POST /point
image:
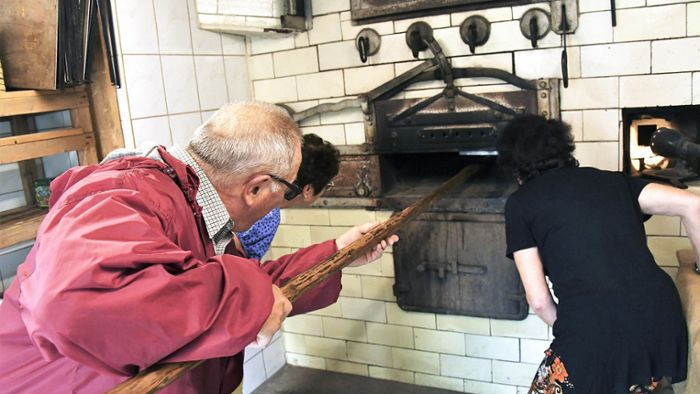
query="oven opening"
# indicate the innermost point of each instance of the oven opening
(407, 177)
(639, 156)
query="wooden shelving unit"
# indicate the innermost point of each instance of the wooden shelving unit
(24, 146)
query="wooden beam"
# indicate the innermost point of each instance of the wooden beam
(103, 101)
(21, 227)
(298, 285)
(80, 117)
(27, 168)
(41, 93)
(31, 146)
(159, 376)
(21, 104)
(39, 136)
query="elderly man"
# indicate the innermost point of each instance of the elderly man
(129, 266)
(320, 162)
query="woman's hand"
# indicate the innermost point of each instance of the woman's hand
(356, 233)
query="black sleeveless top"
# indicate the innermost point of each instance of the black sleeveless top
(619, 317)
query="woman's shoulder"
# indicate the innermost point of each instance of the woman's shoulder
(561, 179)
(567, 174)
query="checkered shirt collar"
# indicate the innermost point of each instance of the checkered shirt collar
(214, 212)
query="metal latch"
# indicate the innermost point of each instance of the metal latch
(452, 267)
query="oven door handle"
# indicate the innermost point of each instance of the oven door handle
(452, 267)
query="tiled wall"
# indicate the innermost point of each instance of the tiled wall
(174, 75)
(651, 58)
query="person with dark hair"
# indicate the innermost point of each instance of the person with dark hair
(618, 324)
(320, 161)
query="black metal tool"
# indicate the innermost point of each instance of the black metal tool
(475, 31)
(104, 9)
(417, 37)
(613, 12)
(674, 144)
(363, 48)
(367, 43)
(533, 32)
(564, 27)
(534, 25)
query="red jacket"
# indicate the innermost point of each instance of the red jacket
(123, 275)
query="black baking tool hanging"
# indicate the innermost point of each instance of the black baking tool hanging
(613, 12)
(564, 27)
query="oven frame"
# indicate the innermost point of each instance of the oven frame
(370, 11)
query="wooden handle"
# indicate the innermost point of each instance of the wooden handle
(304, 281)
(155, 377)
(158, 376)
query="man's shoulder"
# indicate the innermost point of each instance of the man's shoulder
(120, 177)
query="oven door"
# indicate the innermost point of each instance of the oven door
(455, 263)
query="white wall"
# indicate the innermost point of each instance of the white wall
(174, 75)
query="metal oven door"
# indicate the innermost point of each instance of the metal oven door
(455, 263)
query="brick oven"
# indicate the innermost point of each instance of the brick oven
(451, 259)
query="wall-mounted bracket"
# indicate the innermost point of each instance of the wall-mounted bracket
(367, 43)
(571, 17)
(534, 24)
(298, 16)
(475, 31)
(417, 37)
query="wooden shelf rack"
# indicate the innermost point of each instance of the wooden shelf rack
(21, 224)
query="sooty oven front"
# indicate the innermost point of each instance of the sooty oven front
(451, 259)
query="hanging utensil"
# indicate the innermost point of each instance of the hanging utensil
(475, 31)
(367, 43)
(564, 27)
(613, 12)
(534, 25)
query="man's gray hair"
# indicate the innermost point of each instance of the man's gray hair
(245, 138)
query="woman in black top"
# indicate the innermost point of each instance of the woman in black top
(618, 325)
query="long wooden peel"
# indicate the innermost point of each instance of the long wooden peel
(158, 376)
(304, 281)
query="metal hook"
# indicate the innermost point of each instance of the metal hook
(533, 32)
(416, 43)
(535, 24)
(367, 43)
(472, 37)
(363, 48)
(564, 27)
(475, 31)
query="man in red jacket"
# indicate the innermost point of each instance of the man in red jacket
(130, 268)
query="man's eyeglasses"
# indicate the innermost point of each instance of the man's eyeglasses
(293, 190)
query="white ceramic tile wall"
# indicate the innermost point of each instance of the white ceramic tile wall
(610, 68)
(320, 7)
(173, 73)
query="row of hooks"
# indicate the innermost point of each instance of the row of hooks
(475, 31)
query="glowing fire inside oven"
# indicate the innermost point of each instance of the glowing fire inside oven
(640, 140)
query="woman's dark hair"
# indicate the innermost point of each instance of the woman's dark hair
(532, 144)
(319, 163)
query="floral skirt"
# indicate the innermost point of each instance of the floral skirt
(552, 378)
